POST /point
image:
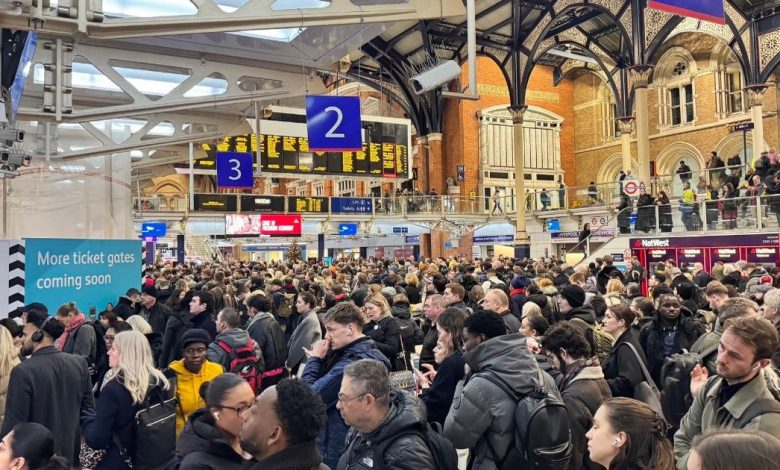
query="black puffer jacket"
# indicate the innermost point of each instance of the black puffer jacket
(202, 446)
(387, 335)
(407, 452)
(651, 338)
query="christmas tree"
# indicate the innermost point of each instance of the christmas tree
(293, 252)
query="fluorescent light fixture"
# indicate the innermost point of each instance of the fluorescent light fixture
(571, 55)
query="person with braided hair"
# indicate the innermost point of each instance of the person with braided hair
(628, 435)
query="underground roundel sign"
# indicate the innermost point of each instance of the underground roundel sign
(631, 188)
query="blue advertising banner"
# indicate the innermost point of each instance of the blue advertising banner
(351, 205)
(708, 10)
(89, 272)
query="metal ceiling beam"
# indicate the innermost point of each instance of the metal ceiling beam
(81, 19)
(574, 22)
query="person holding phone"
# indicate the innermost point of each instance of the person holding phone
(437, 387)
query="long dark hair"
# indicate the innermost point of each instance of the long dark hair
(646, 443)
(35, 444)
(451, 321)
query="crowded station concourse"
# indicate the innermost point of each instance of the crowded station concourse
(440, 234)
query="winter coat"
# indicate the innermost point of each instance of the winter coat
(410, 332)
(4, 390)
(583, 395)
(203, 321)
(202, 446)
(645, 220)
(518, 298)
(605, 274)
(83, 342)
(155, 344)
(651, 338)
(413, 294)
(510, 321)
(187, 387)
(124, 308)
(235, 338)
(481, 411)
(50, 377)
(706, 413)
(702, 278)
(621, 368)
(157, 316)
(709, 341)
(325, 375)
(387, 336)
(303, 456)
(404, 451)
(305, 335)
(171, 349)
(583, 318)
(429, 342)
(438, 398)
(267, 333)
(114, 415)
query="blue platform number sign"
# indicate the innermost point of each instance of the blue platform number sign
(333, 123)
(234, 170)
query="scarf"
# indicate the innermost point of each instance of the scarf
(74, 325)
(515, 292)
(575, 368)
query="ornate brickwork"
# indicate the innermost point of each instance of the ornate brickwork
(654, 21)
(573, 35)
(736, 17)
(768, 47)
(625, 20)
(718, 30)
(533, 36)
(608, 60)
(560, 5)
(746, 42)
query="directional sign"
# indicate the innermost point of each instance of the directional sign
(333, 123)
(234, 170)
(744, 126)
(348, 230)
(153, 229)
(400, 229)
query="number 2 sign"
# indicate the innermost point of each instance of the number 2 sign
(333, 123)
(234, 170)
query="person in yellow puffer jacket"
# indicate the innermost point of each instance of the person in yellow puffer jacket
(190, 373)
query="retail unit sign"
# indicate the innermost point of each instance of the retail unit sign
(768, 239)
(280, 225)
(707, 10)
(493, 239)
(234, 170)
(333, 123)
(601, 234)
(90, 272)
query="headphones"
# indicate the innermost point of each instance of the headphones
(37, 337)
(616, 442)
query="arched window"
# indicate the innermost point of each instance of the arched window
(729, 83)
(676, 94)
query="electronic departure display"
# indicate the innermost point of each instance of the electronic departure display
(385, 153)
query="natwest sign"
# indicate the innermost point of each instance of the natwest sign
(278, 225)
(651, 242)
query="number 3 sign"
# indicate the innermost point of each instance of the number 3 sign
(234, 170)
(333, 123)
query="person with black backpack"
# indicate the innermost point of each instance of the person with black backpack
(583, 388)
(267, 333)
(111, 430)
(506, 411)
(235, 351)
(388, 426)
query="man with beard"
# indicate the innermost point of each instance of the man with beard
(280, 430)
(51, 388)
(738, 396)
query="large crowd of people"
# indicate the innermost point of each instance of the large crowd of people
(401, 364)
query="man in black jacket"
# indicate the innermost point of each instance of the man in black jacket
(153, 311)
(380, 419)
(433, 307)
(607, 272)
(51, 388)
(669, 333)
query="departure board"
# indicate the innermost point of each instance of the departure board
(385, 151)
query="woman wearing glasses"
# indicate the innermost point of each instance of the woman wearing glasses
(210, 437)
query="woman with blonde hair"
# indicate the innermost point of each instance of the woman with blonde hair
(616, 293)
(9, 358)
(383, 328)
(130, 357)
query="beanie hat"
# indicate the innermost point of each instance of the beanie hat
(519, 282)
(195, 335)
(149, 290)
(574, 294)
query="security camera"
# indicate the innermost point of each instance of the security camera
(13, 160)
(10, 136)
(435, 77)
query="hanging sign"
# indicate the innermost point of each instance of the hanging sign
(707, 10)
(333, 123)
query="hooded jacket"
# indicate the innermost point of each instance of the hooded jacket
(651, 338)
(404, 451)
(235, 338)
(201, 446)
(188, 387)
(324, 375)
(481, 411)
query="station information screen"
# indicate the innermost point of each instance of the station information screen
(284, 149)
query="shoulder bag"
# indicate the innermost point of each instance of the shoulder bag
(646, 391)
